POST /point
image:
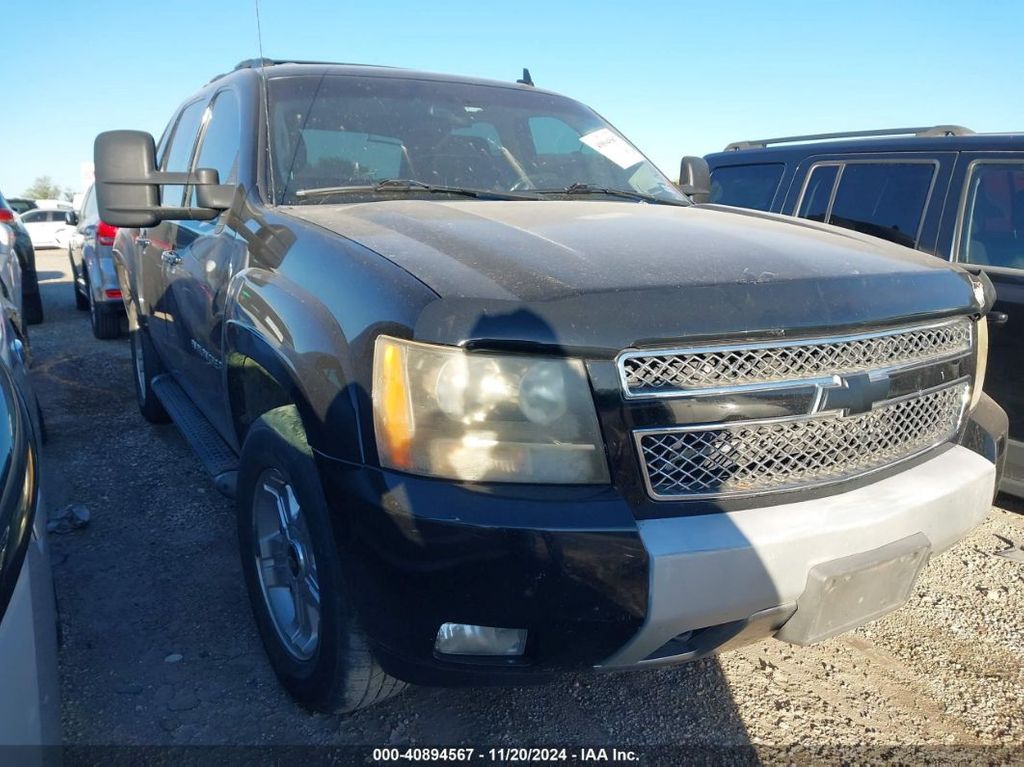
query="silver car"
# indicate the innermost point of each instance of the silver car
(29, 695)
(92, 268)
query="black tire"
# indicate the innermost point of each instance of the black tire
(32, 303)
(146, 366)
(81, 300)
(105, 323)
(341, 674)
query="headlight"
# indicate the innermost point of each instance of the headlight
(980, 359)
(444, 412)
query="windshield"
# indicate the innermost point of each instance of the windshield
(337, 131)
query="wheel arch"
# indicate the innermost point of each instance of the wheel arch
(259, 378)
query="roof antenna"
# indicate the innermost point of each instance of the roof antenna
(266, 105)
(526, 80)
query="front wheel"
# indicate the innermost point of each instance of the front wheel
(294, 576)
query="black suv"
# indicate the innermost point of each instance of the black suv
(495, 400)
(944, 190)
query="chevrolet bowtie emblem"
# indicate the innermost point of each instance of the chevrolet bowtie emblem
(855, 394)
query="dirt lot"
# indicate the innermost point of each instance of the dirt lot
(159, 646)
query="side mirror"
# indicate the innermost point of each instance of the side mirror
(128, 183)
(71, 218)
(695, 178)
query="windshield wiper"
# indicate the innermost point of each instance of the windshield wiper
(408, 185)
(580, 188)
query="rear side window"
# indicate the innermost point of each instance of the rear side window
(89, 207)
(180, 151)
(746, 186)
(885, 200)
(993, 224)
(818, 194)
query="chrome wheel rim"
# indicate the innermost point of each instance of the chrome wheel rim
(285, 565)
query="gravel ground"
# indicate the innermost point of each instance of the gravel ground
(159, 647)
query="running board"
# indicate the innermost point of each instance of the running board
(213, 452)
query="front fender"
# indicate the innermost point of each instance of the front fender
(272, 322)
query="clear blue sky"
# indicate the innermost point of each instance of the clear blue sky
(676, 77)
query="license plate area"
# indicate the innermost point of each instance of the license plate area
(849, 592)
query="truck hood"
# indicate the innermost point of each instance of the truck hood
(613, 274)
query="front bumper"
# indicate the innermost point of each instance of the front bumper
(747, 568)
(595, 587)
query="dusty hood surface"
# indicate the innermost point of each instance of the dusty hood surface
(700, 270)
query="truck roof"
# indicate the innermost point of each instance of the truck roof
(290, 67)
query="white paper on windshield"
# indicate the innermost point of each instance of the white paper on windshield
(612, 146)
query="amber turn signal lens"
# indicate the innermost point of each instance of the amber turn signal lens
(393, 419)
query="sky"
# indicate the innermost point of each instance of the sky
(675, 77)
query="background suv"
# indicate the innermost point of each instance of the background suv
(944, 190)
(93, 275)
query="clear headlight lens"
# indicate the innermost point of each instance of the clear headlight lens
(444, 412)
(980, 359)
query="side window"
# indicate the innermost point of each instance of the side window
(746, 186)
(89, 207)
(180, 151)
(220, 143)
(818, 193)
(32, 217)
(883, 199)
(993, 223)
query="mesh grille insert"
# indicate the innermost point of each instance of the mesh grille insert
(696, 370)
(767, 456)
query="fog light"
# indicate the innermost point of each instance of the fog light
(463, 639)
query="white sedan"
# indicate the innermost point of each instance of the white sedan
(43, 226)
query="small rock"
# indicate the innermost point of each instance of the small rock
(174, 657)
(71, 517)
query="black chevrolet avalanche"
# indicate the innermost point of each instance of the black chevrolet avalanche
(496, 400)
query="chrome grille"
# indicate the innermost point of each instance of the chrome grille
(778, 454)
(703, 369)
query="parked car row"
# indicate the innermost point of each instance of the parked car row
(496, 400)
(29, 697)
(32, 301)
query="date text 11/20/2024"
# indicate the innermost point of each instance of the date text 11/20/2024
(504, 754)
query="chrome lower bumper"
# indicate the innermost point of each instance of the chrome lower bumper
(751, 567)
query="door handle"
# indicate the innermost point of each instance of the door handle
(142, 242)
(170, 257)
(997, 318)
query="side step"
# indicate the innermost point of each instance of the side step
(217, 458)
